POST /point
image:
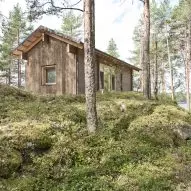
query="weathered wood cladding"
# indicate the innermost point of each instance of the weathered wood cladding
(70, 74)
(119, 81)
(123, 75)
(126, 79)
(69, 64)
(80, 73)
(51, 52)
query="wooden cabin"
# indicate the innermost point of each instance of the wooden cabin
(55, 65)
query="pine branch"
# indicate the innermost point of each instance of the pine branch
(37, 8)
(66, 8)
(76, 3)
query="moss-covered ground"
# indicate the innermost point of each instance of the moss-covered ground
(45, 146)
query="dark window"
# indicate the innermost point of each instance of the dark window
(51, 75)
(101, 80)
(113, 82)
(121, 82)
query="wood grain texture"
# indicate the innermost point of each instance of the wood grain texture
(69, 65)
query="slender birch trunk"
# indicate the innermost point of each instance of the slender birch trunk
(156, 71)
(141, 65)
(170, 68)
(146, 49)
(18, 61)
(89, 59)
(9, 76)
(163, 78)
(188, 59)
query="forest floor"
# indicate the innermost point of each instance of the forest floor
(44, 144)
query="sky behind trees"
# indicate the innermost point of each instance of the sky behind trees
(113, 20)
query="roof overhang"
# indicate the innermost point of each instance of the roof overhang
(39, 35)
(28, 43)
(114, 60)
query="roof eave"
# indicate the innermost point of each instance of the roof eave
(38, 35)
(114, 59)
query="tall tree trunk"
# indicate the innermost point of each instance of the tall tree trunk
(146, 51)
(89, 59)
(19, 73)
(170, 68)
(18, 61)
(163, 78)
(188, 59)
(156, 71)
(141, 65)
(9, 76)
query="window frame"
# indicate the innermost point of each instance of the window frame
(45, 75)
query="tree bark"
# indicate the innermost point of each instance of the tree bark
(89, 59)
(188, 60)
(171, 69)
(146, 49)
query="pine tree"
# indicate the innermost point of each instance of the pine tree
(182, 28)
(146, 51)
(112, 48)
(89, 60)
(159, 65)
(136, 54)
(72, 24)
(160, 15)
(14, 29)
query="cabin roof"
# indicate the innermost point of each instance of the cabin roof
(38, 35)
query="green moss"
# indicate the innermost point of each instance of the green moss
(12, 93)
(46, 146)
(145, 177)
(109, 96)
(26, 134)
(10, 161)
(29, 183)
(172, 113)
(159, 127)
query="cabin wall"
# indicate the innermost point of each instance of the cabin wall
(126, 79)
(81, 72)
(54, 53)
(123, 77)
(33, 79)
(70, 74)
(69, 64)
(118, 81)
